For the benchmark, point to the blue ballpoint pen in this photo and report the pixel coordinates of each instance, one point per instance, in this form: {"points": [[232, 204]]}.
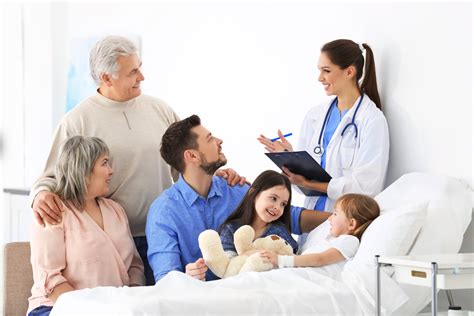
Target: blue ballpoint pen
{"points": [[277, 138]]}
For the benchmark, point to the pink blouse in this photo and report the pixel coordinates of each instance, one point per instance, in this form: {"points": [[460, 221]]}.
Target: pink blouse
{"points": [[78, 251]]}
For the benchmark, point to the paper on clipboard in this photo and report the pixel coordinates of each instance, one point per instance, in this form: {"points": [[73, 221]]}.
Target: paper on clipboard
{"points": [[301, 162]]}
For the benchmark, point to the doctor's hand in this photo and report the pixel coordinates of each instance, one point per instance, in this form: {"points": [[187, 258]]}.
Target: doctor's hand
{"points": [[294, 178], [48, 207], [275, 146], [301, 181], [197, 269]]}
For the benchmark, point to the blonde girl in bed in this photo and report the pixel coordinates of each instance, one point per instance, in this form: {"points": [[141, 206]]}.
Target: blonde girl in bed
{"points": [[335, 241], [265, 207]]}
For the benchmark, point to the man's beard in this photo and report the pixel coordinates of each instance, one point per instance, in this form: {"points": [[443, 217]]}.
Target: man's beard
{"points": [[211, 167]]}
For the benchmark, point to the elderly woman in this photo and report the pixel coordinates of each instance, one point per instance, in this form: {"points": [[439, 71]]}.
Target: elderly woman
{"points": [[93, 245]]}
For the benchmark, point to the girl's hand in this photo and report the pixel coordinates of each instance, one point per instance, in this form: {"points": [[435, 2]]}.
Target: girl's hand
{"points": [[276, 146], [270, 256], [294, 178]]}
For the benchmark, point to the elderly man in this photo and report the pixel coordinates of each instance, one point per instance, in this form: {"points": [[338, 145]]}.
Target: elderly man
{"points": [[197, 201], [132, 125]]}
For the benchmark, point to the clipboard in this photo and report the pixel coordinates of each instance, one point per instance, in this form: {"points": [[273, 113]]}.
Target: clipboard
{"points": [[301, 162]]}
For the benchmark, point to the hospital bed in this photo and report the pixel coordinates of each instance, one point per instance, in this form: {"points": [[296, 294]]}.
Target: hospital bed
{"points": [[421, 214]]}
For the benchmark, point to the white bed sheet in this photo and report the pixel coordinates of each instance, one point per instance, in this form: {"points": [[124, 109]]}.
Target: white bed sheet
{"points": [[299, 291]]}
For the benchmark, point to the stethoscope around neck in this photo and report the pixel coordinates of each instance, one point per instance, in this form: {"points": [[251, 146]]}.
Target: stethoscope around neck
{"points": [[319, 150]]}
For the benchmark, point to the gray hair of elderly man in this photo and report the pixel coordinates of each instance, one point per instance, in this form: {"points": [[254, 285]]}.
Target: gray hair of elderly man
{"points": [[103, 57], [76, 161]]}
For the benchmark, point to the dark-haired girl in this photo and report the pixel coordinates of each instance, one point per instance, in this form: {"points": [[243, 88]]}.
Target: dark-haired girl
{"points": [[265, 207]]}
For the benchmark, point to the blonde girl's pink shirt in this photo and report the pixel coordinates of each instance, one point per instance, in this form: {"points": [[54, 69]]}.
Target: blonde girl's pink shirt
{"points": [[78, 251]]}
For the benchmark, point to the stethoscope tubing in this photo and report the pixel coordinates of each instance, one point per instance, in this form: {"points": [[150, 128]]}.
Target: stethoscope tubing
{"points": [[319, 150]]}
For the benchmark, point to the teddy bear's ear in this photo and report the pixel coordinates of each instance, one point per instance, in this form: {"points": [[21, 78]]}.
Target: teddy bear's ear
{"points": [[274, 237]]}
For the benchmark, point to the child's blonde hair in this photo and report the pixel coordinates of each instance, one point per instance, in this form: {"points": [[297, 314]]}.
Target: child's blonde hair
{"points": [[360, 207]]}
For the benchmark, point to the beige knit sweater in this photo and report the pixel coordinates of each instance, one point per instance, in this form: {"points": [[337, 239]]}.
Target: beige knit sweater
{"points": [[132, 131]]}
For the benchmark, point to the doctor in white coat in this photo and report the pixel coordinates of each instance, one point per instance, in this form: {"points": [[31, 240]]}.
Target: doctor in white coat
{"points": [[347, 135]]}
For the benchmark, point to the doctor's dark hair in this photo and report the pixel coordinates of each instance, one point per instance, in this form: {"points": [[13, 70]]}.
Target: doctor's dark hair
{"points": [[345, 53], [177, 139], [360, 207], [245, 212]]}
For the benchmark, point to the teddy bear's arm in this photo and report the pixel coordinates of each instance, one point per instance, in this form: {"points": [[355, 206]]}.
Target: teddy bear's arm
{"points": [[250, 252], [213, 253], [243, 239]]}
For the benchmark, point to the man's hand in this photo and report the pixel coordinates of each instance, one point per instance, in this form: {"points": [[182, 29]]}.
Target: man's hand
{"points": [[197, 269], [231, 176], [48, 207], [275, 146]]}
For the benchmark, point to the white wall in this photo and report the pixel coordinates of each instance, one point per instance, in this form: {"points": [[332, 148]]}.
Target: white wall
{"points": [[249, 69], [27, 101], [2, 210], [1, 116]]}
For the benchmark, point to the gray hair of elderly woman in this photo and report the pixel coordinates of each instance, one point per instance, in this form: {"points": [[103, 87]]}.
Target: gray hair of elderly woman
{"points": [[103, 57], [76, 161]]}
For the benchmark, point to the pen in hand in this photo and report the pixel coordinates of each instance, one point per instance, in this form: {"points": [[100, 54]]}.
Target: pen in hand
{"points": [[277, 138]]}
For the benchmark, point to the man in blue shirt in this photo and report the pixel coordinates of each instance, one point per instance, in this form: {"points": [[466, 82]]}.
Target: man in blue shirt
{"points": [[196, 202]]}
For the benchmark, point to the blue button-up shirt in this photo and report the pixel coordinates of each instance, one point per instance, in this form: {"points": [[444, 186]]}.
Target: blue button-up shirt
{"points": [[179, 215]]}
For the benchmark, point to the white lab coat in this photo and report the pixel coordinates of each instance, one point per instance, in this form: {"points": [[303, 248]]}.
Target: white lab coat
{"points": [[356, 165]]}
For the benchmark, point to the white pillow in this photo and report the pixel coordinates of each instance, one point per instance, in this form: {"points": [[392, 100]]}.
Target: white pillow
{"points": [[316, 236], [448, 211], [392, 233]]}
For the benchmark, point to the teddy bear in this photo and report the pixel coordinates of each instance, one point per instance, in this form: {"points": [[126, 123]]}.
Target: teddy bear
{"points": [[248, 258]]}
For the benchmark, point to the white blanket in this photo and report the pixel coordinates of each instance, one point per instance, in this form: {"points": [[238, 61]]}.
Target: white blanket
{"points": [[298, 291]]}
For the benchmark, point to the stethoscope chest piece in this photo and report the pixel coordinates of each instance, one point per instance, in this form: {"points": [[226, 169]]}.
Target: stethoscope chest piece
{"points": [[319, 150]]}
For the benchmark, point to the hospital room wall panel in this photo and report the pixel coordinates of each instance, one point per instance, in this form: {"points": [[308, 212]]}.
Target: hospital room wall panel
{"points": [[38, 82], [2, 210]]}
